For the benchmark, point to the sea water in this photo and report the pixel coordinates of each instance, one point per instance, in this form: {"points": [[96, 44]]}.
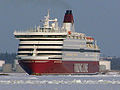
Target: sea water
{"points": [[23, 81]]}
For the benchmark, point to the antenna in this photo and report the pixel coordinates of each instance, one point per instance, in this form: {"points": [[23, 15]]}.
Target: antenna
{"points": [[46, 21], [48, 14]]}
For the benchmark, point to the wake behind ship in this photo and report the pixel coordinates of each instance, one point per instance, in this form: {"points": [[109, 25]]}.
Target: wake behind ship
{"points": [[50, 49]]}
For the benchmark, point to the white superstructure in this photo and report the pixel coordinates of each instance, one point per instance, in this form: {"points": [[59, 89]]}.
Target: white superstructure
{"points": [[55, 42]]}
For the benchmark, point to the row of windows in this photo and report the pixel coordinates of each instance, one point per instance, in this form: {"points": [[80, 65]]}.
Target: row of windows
{"points": [[54, 58], [30, 54], [71, 50], [41, 44], [92, 51], [81, 50], [89, 42], [29, 49], [41, 39], [40, 36]]}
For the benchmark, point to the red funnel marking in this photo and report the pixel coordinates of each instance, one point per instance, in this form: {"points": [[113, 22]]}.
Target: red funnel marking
{"points": [[68, 18]]}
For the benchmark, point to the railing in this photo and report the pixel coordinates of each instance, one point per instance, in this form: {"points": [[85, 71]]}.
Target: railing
{"points": [[43, 30]]}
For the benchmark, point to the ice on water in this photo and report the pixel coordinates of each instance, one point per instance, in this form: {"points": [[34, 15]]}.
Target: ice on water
{"points": [[60, 82]]}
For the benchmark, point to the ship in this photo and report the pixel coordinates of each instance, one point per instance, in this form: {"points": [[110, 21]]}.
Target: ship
{"points": [[51, 49]]}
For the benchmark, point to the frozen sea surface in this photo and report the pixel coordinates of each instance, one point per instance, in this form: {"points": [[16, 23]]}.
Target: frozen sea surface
{"points": [[22, 81]]}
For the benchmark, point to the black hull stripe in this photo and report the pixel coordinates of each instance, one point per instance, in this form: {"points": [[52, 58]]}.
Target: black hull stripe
{"points": [[41, 39], [41, 44], [70, 50]]}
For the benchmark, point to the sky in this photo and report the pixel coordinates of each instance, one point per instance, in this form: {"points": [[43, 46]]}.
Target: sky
{"points": [[97, 18]]}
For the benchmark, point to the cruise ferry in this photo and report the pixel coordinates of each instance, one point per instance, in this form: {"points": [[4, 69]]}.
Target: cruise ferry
{"points": [[51, 49]]}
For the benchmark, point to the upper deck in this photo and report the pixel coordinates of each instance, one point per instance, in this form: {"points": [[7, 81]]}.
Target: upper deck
{"points": [[50, 32], [50, 29]]}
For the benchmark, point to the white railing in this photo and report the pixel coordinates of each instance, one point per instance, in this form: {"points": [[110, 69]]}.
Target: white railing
{"points": [[43, 30]]}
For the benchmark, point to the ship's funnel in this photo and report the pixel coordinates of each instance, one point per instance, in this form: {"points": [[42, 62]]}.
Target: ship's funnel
{"points": [[68, 18], [68, 22]]}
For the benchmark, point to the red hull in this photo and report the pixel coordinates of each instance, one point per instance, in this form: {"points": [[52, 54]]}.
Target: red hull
{"points": [[40, 67]]}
